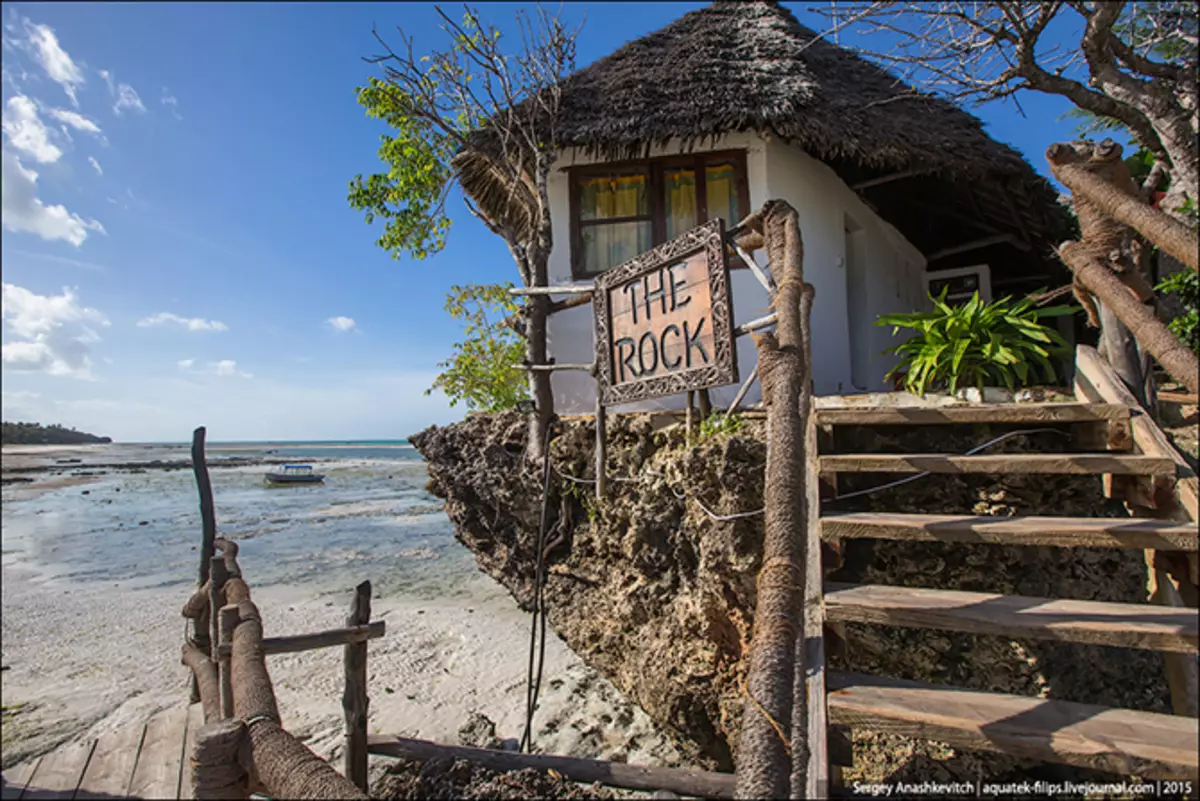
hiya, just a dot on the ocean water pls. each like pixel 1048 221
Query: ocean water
pixel 371 519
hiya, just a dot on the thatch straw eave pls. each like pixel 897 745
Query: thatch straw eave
pixel 751 66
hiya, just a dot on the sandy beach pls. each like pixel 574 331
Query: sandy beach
pixel 86 655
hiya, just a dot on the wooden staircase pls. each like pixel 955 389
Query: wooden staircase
pixel 1116 740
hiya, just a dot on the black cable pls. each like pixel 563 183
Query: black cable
pixel 538 606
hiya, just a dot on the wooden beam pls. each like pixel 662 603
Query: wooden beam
pixel 1061 532
pixel 1009 463
pixel 683 781
pixel 551 290
pixel 550 368
pixel 768 283
pixel 323 639
pixel 991 413
pixel 1100 382
pixel 1118 741
pixel 354 696
pixel 1179 397
pixel 1146 626
pixel 974 244
pixel 570 303
pixel 887 179
pixel 755 325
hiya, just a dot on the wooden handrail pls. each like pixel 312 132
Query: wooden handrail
pixel 322 639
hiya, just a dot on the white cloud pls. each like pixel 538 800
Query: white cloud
pixel 228 367
pixel 96 165
pixel 190 323
pixel 185 364
pixel 75 120
pixel 108 79
pixel 26 132
pixel 53 333
pixel 43 44
pixel 23 211
pixel 168 99
pixel 341 323
pixel 127 98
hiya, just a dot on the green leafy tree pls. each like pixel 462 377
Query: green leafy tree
pixel 483 370
pixel 977 344
pixel 473 109
pixel 1185 285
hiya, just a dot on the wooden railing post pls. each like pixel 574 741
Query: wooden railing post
pixel 354 700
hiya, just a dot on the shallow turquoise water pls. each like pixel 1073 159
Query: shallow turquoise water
pixel 371 519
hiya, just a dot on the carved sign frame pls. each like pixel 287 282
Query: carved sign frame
pixel 710 239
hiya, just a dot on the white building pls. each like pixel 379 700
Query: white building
pixel 736 104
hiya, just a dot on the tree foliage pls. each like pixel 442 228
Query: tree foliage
pixel 38 434
pixel 978 344
pixel 1185 285
pixel 484 370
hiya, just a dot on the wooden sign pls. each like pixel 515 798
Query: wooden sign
pixel 664 320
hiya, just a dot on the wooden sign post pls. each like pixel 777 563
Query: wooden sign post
pixel 664 325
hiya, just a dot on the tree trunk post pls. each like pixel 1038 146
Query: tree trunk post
pixel 766 743
pixel 216 772
pixel 1153 335
pixel 354 699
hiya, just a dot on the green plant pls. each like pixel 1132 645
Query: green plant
pixel 720 423
pixel 977 343
pixel 586 499
pixel 1185 285
pixel 484 370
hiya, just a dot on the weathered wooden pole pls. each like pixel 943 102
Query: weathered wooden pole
pixel 354 699
pixel 217 576
pixel 763 759
pixel 601 447
pixel 204 677
pixel 208 523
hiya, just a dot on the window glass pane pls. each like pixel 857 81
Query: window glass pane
pixel 615 195
pixel 721 192
pixel 606 246
pixel 679 195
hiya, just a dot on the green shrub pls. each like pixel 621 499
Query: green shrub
pixel 483 369
pixel 1185 284
pixel 719 423
pixel 977 343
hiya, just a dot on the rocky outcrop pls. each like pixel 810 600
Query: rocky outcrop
pixel 658 596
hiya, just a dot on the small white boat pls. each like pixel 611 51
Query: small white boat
pixel 295 474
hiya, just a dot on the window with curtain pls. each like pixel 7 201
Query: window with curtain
pixel 620 212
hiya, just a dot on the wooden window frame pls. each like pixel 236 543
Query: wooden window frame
pixel 653 170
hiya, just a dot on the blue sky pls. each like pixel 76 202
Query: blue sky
pixel 177 247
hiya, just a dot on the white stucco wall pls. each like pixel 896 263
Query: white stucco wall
pixel 894 269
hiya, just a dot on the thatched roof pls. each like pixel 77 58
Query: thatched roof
pixel 737 66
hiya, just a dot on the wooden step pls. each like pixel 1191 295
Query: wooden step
pixel 1158 628
pixel 1063 532
pixel 1119 741
pixel 975 413
pixel 1004 463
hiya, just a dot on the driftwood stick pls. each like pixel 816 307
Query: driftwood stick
pixel 763 758
pixel 570 303
pixel 204 672
pixel 228 617
pixel 741 394
pixel 354 699
pixel 1161 229
pixel 689 421
pixel 601 448
pixel 208 516
pixel 684 781
pixel 1175 357
pixel 216 772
